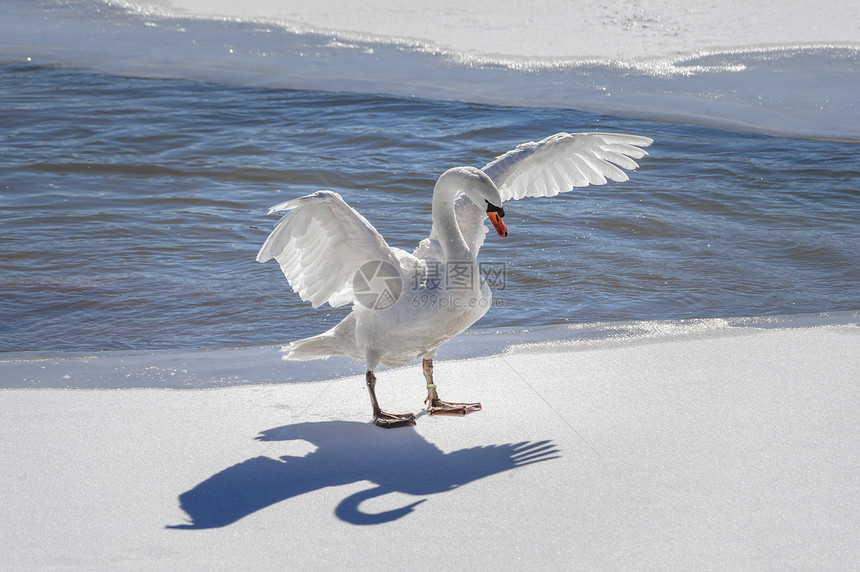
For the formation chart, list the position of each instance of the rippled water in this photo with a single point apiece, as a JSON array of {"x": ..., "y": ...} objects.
[{"x": 131, "y": 211}]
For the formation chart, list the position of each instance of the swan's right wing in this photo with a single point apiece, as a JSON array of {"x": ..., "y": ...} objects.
[
  {"x": 564, "y": 161},
  {"x": 320, "y": 244}
]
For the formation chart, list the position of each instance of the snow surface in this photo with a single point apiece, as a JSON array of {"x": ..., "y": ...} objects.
[
  {"x": 778, "y": 68},
  {"x": 558, "y": 28},
  {"x": 733, "y": 450},
  {"x": 787, "y": 70}
]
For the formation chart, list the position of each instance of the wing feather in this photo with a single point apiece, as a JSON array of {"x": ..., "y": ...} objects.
[
  {"x": 564, "y": 161},
  {"x": 558, "y": 175},
  {"x": 320, "y": 243}
]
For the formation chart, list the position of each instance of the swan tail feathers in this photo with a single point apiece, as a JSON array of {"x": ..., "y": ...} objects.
[
  {"x": 338, "y": 341},
  {"x": 315, "y": 347}
]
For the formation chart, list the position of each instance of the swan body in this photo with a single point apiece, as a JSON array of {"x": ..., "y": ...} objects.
[{"x": 406, "y": 305}]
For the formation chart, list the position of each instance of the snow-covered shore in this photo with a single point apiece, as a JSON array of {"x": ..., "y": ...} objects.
[
  {"x": 554, "y": 29},
  {"x": 733, "y": 450}
]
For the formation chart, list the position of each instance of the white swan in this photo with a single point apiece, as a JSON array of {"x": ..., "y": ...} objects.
[{"x": 404, "y": 306}]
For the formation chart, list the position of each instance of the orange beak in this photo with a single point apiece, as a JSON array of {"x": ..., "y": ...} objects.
[{"x": 498, "y": 224}]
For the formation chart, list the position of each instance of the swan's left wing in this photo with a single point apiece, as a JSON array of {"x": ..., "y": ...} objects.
[
  {"x": 564, "y": 161},
  {"x": 320, "y": 244}
]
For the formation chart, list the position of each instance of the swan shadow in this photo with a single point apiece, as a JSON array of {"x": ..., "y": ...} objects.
[{"x": 349, "y": 452}]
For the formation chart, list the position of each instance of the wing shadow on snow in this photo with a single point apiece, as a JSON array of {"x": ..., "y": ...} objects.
[{"x": 348, "y": 452}]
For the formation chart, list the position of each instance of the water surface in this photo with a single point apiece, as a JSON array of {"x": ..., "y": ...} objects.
[{"x": 131, "y": 210}]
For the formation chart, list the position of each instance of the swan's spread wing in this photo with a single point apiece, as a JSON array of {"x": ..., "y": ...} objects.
[
  {"x": 564, "y": 161},
  {"x": 320, "y": 244}
]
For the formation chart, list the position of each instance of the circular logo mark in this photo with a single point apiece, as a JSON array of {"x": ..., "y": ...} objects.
[{"x": 377, "y": 285}]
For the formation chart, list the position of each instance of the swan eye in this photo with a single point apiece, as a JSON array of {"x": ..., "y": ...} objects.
[{"x": 491, "y": 208}]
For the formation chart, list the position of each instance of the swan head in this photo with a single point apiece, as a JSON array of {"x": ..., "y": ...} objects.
[{"x": 482, "y": 191}]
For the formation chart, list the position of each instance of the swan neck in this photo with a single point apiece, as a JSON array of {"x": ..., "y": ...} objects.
[{"x": 445, "y": 219}]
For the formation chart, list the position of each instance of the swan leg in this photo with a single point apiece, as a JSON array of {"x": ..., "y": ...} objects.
[
  {"x": 436, "y": 406},
  {"x": 380, "y": 417}
]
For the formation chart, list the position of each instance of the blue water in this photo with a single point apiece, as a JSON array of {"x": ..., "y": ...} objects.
[{"x": 132, "y": 206}]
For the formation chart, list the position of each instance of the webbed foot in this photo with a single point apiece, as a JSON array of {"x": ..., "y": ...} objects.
[
  {"x": 439, "y": 407},
  {"x": 392, "y": 420}
]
